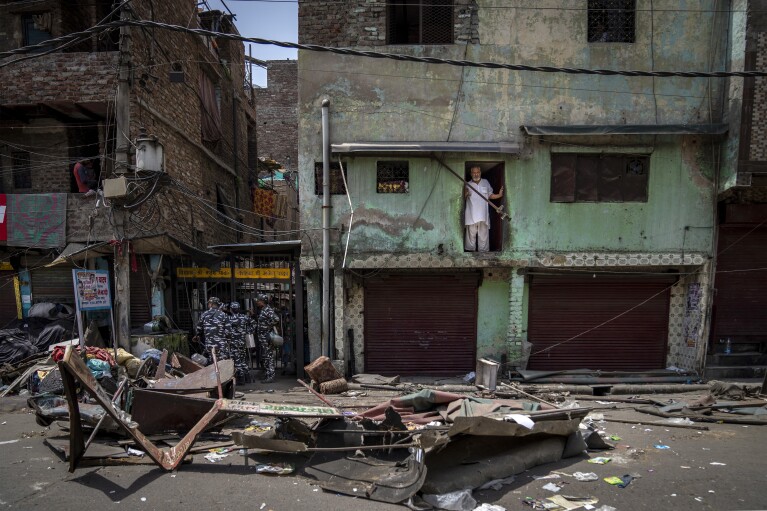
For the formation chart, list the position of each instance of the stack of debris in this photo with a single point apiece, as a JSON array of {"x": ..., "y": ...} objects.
[{"x": 325, "y": 377}]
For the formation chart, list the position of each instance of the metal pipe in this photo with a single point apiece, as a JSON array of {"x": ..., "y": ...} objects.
[
  {"x": 115, "y": 398},
  {"x": 325, "y": 342}
]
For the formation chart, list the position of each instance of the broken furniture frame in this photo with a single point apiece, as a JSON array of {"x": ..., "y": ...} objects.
[{"x": 73, "y": 370}]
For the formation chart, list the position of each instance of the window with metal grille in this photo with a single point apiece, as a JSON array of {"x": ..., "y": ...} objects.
[
  {"x": 35, "y": 28},
  {"x": 22, "y": 171},
  {"x": 392, "y": 177},
  {"x": 420, "y": 21},
  {"x": 611, "y": 21},
  {"x": 336, "y": 179},
  {"x": 599, "y": 178}
]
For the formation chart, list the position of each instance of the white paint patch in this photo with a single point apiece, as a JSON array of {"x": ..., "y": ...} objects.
[
  {"x": 38, "y": 486},
  {"x": 9, "y": 442}
]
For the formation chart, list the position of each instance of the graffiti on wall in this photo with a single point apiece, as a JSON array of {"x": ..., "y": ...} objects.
[{"x": 693, "y": 315}]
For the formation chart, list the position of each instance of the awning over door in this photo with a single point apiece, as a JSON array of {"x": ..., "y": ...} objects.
[
  {"x": 421, "y": 324},
  {"x": 598, "y": 321}
]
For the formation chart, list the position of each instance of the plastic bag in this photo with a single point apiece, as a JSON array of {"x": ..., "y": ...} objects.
[
  {"x": 454, "y": 501},
  {"x": 99, "y": 367}
]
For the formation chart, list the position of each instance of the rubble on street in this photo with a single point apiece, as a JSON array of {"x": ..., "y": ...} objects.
[{"x": 382, "y": 439}]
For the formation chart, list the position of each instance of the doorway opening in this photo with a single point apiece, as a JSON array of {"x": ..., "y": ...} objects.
[{"x": 494, "y": 173}]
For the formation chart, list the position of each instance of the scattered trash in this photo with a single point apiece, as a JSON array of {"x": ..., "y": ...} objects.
[
  {"x": 263, "y": 505},
  {"x": 585, "y": 476},
  {"x": 143, "y": 499},
  {"x": 614, "y": 480},
  {"x": 717, "y": 463},
  {"x": 453, "y": 501},
  {"x": 550, "y": 476},
  {"x": 600, "y": 460},
  {"x": 680, "y": 420},
  {"x": 568, "y": 502},
  {"x": 276, "y": 468},
  {"x": 661, "y": 446},
  {"x": 627, "y": 478},
  {"x": 552, "y": 487},
  {"x": 522, "y": 420},
  {"x": 489, "y": 507},
  {"x": 215, "y": 457},
  {"x": 615, "y": 438},
  {"x": 497, "y": 484},
  {"x": 135, "y": 452},
  {"x": 470, "y": 377}
]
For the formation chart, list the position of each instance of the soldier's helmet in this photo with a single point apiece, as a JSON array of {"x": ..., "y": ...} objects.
[
  {"x": 262, "y": 298},
  {"x": 234, "y": 306},
  {"x": 215, "y": 301}
]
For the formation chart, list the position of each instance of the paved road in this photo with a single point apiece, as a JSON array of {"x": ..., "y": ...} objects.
[{"x": 680, "y": 477}]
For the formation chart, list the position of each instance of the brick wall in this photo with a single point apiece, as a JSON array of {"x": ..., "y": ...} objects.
[
  {"x": 172, "y": 111},
  {"x": 77, "y": 77},
  {"x": 277, "y": 114},
  {"x": 363, "y": 22}
]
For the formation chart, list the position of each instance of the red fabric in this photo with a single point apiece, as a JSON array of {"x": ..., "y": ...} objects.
[
  {"x": 3, "y": 218},
  {"x": 133, "y": 261},
  {"x": 94, "y": 352},
  {"x": 81, "y": 187}
]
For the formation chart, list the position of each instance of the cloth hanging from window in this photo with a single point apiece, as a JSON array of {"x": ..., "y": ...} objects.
[
  {"x": 263, "y": 201},
  {"x": 210, "y": 119}
]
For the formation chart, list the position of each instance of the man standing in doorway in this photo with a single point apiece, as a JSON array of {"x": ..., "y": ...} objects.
[
  {"x": 267, "y": 318},
  {"x": 477, "y": 216}
]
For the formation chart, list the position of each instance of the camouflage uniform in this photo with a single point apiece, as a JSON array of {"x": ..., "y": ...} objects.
[
  {"x": 241, "y": 326},
  {"x": 267, "y": 318},
  {"x": 214, "y": 325}
]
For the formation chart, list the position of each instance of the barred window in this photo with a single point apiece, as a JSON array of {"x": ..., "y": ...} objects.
[
  {"x": 392, "y": 177},
  {"x": 611, "y": 21},
  {"x": 336, "y": 179},
  {"x": 599, "y": 178},
  {"x": 420, "y": 21},
  {"x": 22, "y": 170}
]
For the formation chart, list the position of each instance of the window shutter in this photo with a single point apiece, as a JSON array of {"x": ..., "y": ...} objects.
[{"x": 563, "y": 177}]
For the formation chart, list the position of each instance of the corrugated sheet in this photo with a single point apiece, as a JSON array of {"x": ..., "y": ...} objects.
[
  {"x": 421, "y": 324},
  {"x": 53, "y": 284},
  {"x": 140, "y": 295},
  {"x": 563, "y": 307},
  {"x": 741, "y": 296}
]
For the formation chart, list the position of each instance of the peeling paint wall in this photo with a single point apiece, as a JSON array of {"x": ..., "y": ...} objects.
[
  {"x": 493, "y": 314},
  {"x": 376, "y": 100}
]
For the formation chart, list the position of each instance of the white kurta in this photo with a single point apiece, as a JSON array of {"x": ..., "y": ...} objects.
[{"x": 477, "y": 210}]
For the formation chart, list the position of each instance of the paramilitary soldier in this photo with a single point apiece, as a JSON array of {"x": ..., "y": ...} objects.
[
  {"x": 215, "y": 329},
  {"x": 267, "y": 318},
  {"x": 242, "y": 324}
]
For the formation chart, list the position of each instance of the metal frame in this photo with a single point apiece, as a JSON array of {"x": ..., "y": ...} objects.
[{"x": 73, "y": 370}]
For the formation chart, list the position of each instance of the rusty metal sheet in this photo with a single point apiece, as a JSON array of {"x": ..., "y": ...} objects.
[
  {"x": 159, "y": 412},
  {"x": 253, "y": 441},
  {"x": 72, "y": 367},
  {"x": 186, "y": 364},
  {"x": 202, "y": 380},
  {"x": 562, "y": 424}
]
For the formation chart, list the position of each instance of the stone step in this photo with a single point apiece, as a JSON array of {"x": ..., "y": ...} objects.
[
  {"x": 729, "y": 372},
  {"x": 749, "y": 358}
]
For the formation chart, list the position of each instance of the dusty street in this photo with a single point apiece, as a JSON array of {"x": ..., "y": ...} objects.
[{"x": 722, "y": 468}]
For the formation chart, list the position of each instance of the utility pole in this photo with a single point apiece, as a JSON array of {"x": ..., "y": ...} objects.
[
  {"x": 325, "y": 341},
  {"x": 122, "y": 159}
]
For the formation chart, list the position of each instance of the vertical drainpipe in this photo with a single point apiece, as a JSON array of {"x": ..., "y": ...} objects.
[
  {"x": 325, "y": 346},
  {"x": 238, "y": 236}
]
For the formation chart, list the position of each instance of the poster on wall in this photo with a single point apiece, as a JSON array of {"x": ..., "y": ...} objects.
[
  {"x": 92, "y": 290},
  {"x": 3, "y": 228}
]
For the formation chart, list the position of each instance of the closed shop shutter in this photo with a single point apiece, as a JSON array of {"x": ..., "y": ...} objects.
[
  {"x": 53, "y": 284},
  {"x": 597, "y": 322},
  {"x": 140, "y": 296},
  {"x": 8, "y": 306},
  {"x": 421, "y": 324},
  {"x": 739, "y": 304}
]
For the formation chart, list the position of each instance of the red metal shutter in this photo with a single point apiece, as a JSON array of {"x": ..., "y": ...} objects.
[
  {"x": 421, "y": 324},
  {"x": 739, "y": 304},
  {"x": 563, "y": 307},
  {"x": 8, "y": 306}
]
